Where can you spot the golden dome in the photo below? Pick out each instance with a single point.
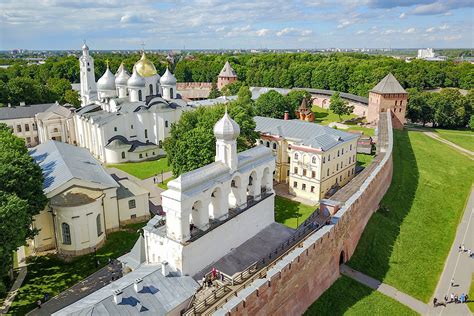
(145, 67)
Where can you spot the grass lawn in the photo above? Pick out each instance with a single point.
(348, 297)
(471, 295)
(364, 160)
(144, 169)
(463, 138)
(291, 213)
(324, 117)
(164, 185)
(49, 274)
(406, 243)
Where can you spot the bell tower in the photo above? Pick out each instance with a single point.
(87, 77)
(226, 132)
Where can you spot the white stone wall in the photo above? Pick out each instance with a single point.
(140, 210)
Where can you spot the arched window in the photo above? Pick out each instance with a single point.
(139, 95)
(146, 133)
(151, 89)
(171, 93)
(296, 156)
(123, 155)
(157, 89)
(99, 225)
(314, 159)
(274, 146)
(268, 144)
(66, 233)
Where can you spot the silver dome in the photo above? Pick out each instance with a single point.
(136, 81)
(226, 128)
(122, 76)
(168, 79)
(107, 81)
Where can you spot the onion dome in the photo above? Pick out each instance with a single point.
(107, 81)
(226, 128)
(145, 67)
(122, 76)
(168, 79)
(136, 81)
(85, 47)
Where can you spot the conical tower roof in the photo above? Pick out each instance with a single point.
(387, 85)
(228, 71)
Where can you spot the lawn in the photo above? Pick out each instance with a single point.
(364, 160)
(49, 274)
(471, 295)
(324, 117)
(402, 245)
(164, 185)
(463, 138)
(144, 169)
(348, 297)
(291, 213)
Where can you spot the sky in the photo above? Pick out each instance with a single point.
(235, 24)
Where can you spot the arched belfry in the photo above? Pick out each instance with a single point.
(226, 132)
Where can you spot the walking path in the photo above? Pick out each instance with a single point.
(460, 149)
(386, 289)
(14, 290)
(459, 266)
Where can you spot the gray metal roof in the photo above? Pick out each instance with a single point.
(343, 95)
(389, 84)
(14, 112)
(159, 295)
(227, 71)
(62, 162)
(303, 133)
(57, 109)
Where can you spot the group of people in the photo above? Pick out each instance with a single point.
(454, 298)
(463, 249)
(208, 279)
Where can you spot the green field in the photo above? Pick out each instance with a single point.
(324, 117)
(144, 169)
(348, 297)
(402, 244)
(50, 274)
(471, 295)
(291, 213)
(462, 138)
(364, 160)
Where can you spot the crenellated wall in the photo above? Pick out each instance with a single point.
(299, 278)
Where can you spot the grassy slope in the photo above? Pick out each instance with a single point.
(406, 245)
(348, 297)
(471, 295)
(287, 212)
(144, 169)
(462, 138)
(49, 274)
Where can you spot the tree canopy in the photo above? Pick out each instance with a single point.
(340, 106)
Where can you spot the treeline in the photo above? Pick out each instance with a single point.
(447, 109)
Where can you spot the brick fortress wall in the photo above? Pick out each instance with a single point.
(300, 277)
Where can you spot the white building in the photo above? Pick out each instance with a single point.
(425, 53)
(85, 202)
(127, 117)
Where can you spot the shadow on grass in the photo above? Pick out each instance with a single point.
(287, 211)
(373, 254)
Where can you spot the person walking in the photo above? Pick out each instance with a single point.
(435, 301)
(452, 282)
(452, 298)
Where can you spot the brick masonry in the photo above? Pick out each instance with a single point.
(298, 280)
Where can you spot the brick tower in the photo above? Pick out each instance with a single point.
(388, 95)
(226, 76)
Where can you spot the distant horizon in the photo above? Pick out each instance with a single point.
(239, 24)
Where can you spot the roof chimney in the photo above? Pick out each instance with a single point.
(286, 117)
(165, 268)
(118, 296)
(138, 285)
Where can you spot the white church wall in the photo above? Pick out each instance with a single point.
(111, 211)
(44, 240)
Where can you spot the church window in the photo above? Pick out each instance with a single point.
(267, 144)
(115, 129)
(146, 133)
(313, 174)
(350, 147)
(123, 155)
(329, 158)
(160, 144)
(337, 167)
(295, 184)
(18, 128)
(131, 204)
(151, 89)
(171, 93)
(289, 158)
(304, 172)
(341, 164)
(153, 153)
(312, 189)
(340, 178)
(140, 97)
(34, 126)
(261, 142)
(166, 123)
(328, 172)
(250, 180)
(296, 156)
(350, 159)
(99, 225)
(141, 156)
(324, 159)
(27, 128)
(131, 126)
(342, 153)
(274, 146)
(66, 233)
(303, 186)
(338, 153)
(314, 159)
(295, 170)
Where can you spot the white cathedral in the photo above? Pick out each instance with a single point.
(126, 118)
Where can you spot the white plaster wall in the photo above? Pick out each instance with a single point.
(141, 209)
(32, 133)
(111, 211)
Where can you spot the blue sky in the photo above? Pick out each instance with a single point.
(119, 24)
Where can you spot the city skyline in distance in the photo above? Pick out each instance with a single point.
(218, 24)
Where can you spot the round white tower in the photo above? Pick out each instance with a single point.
(106, 85)
(121, 80)
(168, 85)
(226, 132)
(136, 86)
(87, 77)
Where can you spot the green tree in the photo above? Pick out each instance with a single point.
(244, 96)
(232, 88)
(58, 88)
(191, 143)
(419, 109)
(72, 97)
(271, 104)
(214, 93)
(451, 108)
(340, 106)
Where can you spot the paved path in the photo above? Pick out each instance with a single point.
(460, 149)
(386, 289)
(14, 290)
(458, 265)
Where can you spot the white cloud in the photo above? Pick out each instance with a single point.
(430, 29)
(411, 30)
(402, 16)
(262, 32)
(360, 32)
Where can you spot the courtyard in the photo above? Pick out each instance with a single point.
(144, 169)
